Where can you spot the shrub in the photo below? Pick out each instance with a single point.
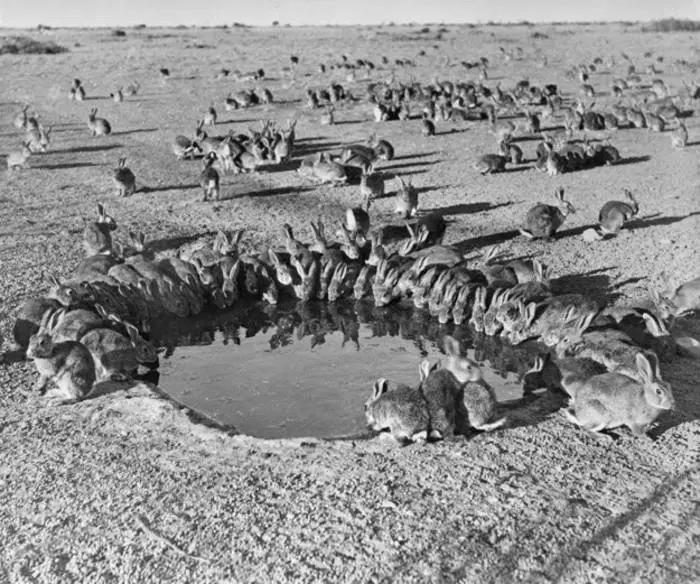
(539, 35)
(118, 33)
(22, 45)
(672, 25)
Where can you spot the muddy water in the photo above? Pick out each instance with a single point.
(306, 370)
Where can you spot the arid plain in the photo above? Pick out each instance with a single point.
(124, 487)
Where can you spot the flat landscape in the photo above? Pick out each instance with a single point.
(126, 487)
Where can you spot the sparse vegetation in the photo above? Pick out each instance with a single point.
(539, 35)
(672, 25)
(22, 45)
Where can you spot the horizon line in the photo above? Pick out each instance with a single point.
(235, 24)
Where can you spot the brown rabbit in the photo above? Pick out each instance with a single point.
(401, 410)
(612, 400)
(479, 399)
(67, 364)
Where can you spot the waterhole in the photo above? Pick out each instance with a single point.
(301, 370)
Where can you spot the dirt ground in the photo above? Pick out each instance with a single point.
(124, 487)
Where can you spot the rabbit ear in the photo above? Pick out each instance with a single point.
(425, 368)
(645, 369)
(539, 270)
(380, 387)
(538, 365)
(451, 346)
(530, 312)
(53, 280)
(585, 321)
(655, 326)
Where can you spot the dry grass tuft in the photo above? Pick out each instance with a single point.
(22, 45)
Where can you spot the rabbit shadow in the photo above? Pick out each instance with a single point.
(136, 131)
(280, 167)
(479, 242)
(656, 219)
(87, 149)
(687, 406)
(531, 409)
(595, 283)
(409, 165)
(10, 357)
(521, 168)
(163, 188)
(419, 155)
(176, 241)
(314, 148)
(66, 165)
(632, 160)
(271, 192)
(465, 208)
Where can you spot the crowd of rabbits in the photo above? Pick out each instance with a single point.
(95, 324)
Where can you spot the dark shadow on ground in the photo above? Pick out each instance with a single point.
(464, 208)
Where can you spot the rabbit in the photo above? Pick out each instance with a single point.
(209, 178)
(304, 290)
(357, 221)
(490, 163)
(117, 356)
(65, 294)
(401, 410)
(512, 152)
(679, 136)
(170, 293)
(461, 306)
(124, 179)
(97, 235)
(558, 374)
(77, 91)
(383, 149)
(554, 163)
(371, 184)
(210, 116)
(427, 127)
(611, 400)
(229, 292)
(645, 329)
(184, 148)
(18, 159)
(326, 170)
(492, 325)
(98, 126)
(685, 299)
(117, 96)
(443, 398)
(654, 123)
(406, 199)
(66, 324)
(29, 318)
(327, 118)
(476, 320)
(69, 365)
(540, 319)
(543, 221)
(614, 214)
(39, 138)
(479, 398)
(20, 120)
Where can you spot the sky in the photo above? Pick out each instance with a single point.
(30, 13)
